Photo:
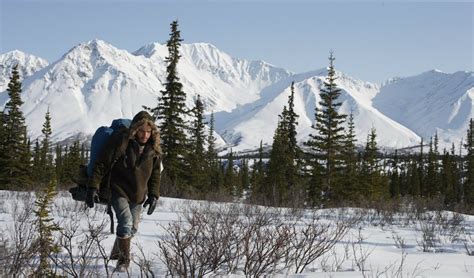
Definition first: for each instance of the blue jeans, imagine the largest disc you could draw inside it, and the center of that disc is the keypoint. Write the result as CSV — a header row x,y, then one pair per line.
x,y
128,216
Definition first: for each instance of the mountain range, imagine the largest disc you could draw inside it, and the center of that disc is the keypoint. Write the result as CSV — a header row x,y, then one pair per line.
x,y
95,82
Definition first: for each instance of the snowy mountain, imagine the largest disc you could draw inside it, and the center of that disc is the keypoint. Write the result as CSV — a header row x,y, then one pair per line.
x,y
431,102
95,82
249,124
28,65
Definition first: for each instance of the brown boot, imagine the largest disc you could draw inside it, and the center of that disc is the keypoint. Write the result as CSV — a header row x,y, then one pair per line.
x,y
124,254
114,254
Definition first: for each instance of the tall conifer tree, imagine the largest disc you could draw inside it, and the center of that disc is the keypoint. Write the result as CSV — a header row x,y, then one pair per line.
x,y
197,157
326,144
277,185
170,112
14,171
46,157
468,185
258,176
375,184
349,184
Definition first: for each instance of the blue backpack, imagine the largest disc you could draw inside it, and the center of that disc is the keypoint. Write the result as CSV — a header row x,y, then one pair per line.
x,y
101,136
100,139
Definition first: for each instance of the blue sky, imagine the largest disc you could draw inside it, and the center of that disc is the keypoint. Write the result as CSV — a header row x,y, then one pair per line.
x,y
372,40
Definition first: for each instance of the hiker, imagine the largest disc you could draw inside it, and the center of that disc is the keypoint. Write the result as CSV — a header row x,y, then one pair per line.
x,y
134,180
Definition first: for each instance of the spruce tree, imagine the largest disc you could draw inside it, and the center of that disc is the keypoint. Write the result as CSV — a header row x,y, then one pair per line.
x,y
59,163
212,160
432,188
394,174
326,144
170,112
468,185
229,177
36,164
46,227
2,141
244,175
294,154
46,157
374,184
421,170
14,170
72,161
258,176
197,157
277,185
448,179
349,184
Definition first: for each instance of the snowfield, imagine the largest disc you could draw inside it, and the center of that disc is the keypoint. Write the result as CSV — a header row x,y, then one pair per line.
x,y
371,243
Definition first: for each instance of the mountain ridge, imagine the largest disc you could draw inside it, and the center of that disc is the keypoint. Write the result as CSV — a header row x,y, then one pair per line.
x,y
246,96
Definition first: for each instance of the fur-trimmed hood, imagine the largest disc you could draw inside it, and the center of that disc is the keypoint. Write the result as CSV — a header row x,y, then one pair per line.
x,y
144,118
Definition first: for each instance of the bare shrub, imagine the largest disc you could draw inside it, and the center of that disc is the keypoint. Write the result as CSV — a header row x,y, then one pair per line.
x,y
144,262
315,239
469,244
399,241
20,240
81,249
450,224
251,239
360,252
202,244
429,239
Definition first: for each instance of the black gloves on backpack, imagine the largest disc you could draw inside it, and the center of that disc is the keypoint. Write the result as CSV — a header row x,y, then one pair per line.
x,y
151,200
92,197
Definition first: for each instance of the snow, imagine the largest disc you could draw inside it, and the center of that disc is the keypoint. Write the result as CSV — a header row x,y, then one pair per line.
x,y
95,82
380,241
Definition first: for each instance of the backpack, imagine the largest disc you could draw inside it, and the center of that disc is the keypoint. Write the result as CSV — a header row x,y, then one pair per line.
x,y
100,139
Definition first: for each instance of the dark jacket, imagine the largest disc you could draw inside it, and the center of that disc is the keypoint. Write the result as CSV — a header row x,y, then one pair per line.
x,y
132,175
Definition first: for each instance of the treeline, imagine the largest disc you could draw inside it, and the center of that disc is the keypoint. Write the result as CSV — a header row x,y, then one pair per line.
x,y
329,169
29,166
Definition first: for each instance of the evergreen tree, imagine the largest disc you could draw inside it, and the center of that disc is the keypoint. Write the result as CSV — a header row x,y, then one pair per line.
x,y
14,170
374,183
197,157
349,184
283,167
212,160
421,170
291,121
26,160
468,185
229,177
258,176
394,174
59,163
46,157
414,179
448,179
244,175
327,143
72,161
36,164
2,141
46,227
432,181
294,154
277,185
170,112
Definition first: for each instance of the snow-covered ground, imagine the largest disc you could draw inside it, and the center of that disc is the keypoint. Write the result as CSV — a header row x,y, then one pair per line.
x,y
377,245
